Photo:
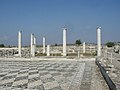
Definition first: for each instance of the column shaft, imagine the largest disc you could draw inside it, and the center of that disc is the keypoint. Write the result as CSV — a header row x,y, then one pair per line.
x,y
34,46
99,41
32,43
43,44
64,42
19,42
48,50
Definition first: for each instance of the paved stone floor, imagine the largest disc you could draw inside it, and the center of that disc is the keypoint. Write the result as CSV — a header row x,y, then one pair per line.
x,y
45,75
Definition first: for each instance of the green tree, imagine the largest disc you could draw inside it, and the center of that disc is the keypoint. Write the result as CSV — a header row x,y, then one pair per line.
x,y
110,44
56,44
78,42
2,45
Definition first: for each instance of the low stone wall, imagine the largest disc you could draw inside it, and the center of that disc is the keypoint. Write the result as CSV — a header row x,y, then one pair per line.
x,y
48,58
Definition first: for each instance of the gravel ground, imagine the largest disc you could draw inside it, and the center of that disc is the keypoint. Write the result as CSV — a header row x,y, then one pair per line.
x,y
111,63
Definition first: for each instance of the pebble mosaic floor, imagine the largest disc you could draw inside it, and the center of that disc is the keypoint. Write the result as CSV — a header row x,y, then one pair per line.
x,y
43,75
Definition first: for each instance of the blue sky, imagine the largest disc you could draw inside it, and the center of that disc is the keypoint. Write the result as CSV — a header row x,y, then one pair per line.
x,y
47,17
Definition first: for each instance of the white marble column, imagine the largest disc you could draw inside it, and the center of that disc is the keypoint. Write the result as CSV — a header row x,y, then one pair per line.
x,y
64,41
99,41
83,47
34,46
43,44
32,42
19,42
35,42
48,50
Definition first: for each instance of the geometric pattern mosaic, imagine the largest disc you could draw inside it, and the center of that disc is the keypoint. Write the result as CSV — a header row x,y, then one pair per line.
x,y
42,75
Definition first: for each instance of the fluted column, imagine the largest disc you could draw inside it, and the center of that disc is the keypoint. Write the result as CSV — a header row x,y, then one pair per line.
x,y
19,42
64,41
32,42
48,50
99,41
83,47
43,44
34,46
